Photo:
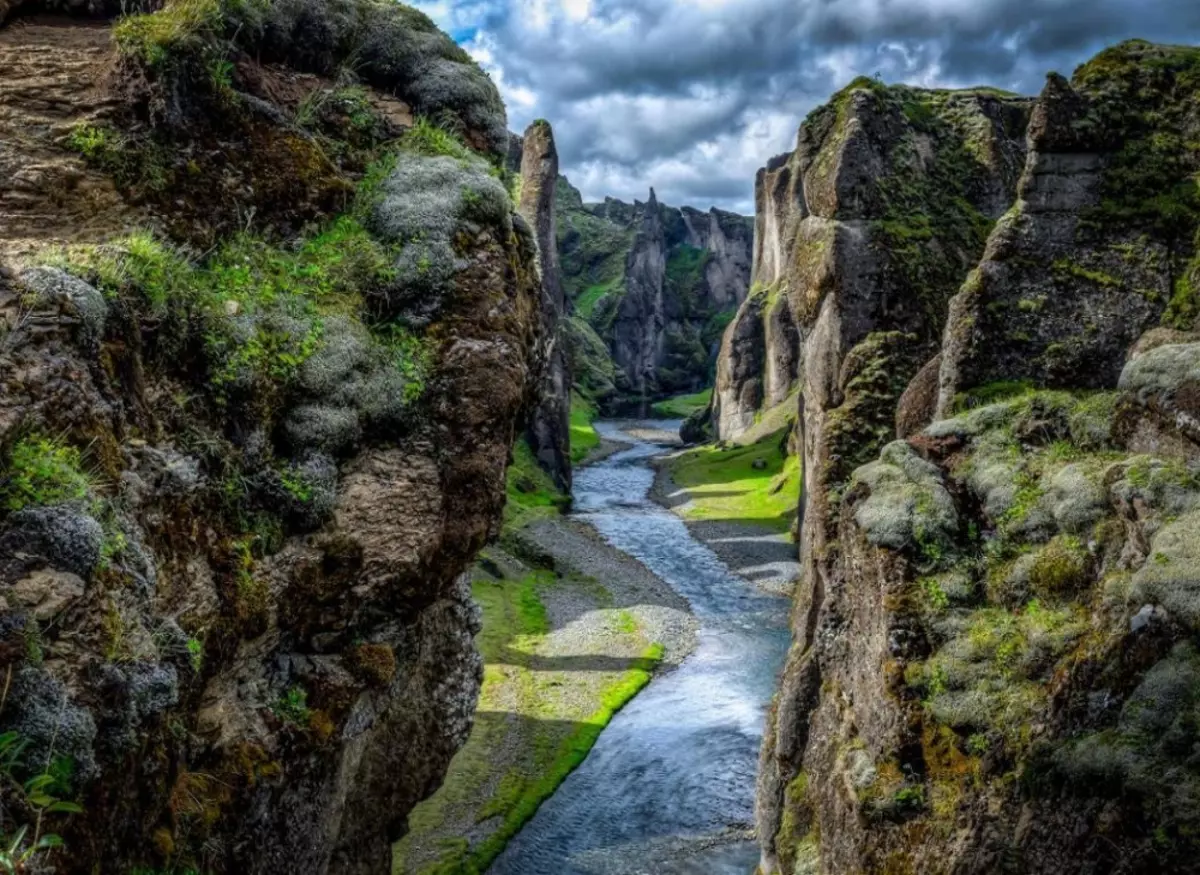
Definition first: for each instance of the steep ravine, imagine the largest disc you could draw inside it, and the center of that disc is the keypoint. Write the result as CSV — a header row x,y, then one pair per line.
x,y
651,288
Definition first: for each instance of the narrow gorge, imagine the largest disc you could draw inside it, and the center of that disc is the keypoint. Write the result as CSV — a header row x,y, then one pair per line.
x,y
371,502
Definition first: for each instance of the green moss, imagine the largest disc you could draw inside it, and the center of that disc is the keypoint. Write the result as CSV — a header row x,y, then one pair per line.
x,y
1060,568
162,37
683,406
1141,97
1064,267
531,492
584,438
758,483
42,471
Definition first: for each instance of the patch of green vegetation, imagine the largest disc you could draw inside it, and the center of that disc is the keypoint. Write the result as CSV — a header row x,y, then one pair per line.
x,y
292,707
991,393
1183,310
531,492
260,310
521,710
591,297
426,138
160,37
42,790
758,483
1064,267
42,471
683,406
685,271
935,205
1142,95
134,165
993,677
584,438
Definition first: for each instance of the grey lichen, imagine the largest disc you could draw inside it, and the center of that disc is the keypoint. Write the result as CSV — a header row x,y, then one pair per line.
x,y
1171,575
54,286
908,505
423,204
1162,370
1078,499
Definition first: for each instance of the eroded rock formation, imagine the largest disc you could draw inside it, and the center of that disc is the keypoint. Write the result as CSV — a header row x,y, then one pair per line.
x,y
656,285
993,666
548,432
255,415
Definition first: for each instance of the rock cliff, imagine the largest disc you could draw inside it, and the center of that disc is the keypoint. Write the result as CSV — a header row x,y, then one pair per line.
x,y
266,334
655,285
993,665
548,432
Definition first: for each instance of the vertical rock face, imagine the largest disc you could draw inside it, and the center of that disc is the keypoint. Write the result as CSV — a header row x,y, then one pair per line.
x,y
239,489
889,196
993,608
638,329
656,284
864,233
548,433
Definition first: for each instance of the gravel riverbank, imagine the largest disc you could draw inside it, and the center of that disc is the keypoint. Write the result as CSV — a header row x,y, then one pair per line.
x,y
766,558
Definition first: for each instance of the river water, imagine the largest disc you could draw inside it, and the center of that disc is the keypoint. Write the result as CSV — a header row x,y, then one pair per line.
x,y
669,787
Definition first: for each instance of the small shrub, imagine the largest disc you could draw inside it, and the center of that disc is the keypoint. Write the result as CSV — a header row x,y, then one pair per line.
x,y
42,471
292,707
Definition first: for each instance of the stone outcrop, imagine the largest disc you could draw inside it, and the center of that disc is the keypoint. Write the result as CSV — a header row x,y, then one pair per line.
x,y
249,454
548,432
656,284
994,630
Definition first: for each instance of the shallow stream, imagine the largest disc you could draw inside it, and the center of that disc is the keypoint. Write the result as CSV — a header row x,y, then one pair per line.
x,y
669,787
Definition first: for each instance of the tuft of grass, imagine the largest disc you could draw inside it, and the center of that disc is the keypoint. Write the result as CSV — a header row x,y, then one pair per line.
x,y
428,139
683,406
758,483
42,471
159,38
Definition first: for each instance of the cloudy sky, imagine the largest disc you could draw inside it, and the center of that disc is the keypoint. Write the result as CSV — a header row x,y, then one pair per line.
x,y
692,96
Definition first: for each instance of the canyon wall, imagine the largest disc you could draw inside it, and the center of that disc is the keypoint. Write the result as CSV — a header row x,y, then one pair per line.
x,y
549,429
655,285
266,340
993,665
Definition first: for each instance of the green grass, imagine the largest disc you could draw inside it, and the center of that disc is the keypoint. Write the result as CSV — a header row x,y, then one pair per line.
x,y
683,406
327,275
42,471
584,438
531,491
556,736
724,484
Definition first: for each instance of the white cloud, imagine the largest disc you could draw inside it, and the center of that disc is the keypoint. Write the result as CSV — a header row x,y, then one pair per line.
x,y
692,96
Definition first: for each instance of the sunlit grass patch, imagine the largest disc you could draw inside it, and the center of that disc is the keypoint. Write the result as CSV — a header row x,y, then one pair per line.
x,y
758,483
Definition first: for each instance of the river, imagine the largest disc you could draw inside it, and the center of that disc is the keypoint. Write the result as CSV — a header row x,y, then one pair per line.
x,y
669,787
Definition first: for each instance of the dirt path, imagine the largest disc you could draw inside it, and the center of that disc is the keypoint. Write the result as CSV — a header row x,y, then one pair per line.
x,y
51,80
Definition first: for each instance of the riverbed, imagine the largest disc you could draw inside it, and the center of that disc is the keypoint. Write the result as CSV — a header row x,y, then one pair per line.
x,y
669,787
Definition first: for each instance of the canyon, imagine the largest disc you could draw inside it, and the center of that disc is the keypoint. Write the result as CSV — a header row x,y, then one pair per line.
x,y
295,341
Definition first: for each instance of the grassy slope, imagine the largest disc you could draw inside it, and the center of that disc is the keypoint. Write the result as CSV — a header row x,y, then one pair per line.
x,y
683,406
533,725
584,438
723,484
